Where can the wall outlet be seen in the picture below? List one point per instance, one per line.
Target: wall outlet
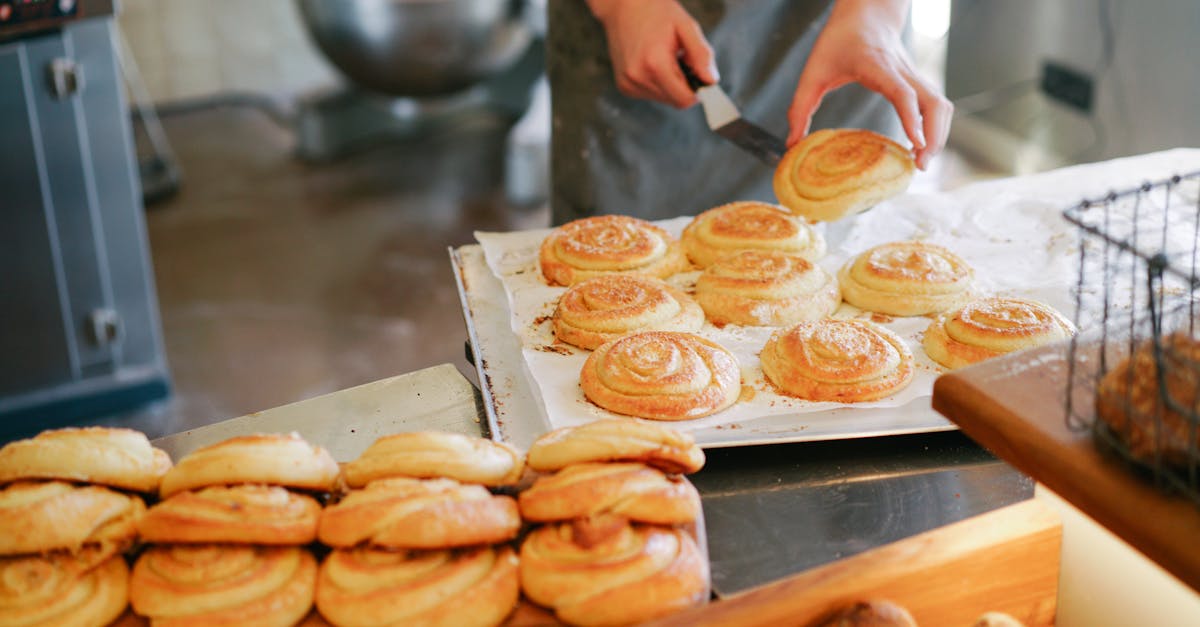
(1068, 86)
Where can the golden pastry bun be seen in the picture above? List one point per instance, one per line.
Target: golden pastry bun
(419, 514)
(991, 327)
(362, 587)
(834, 173)
(36, 517)
(121, 458)
(617, 440)
(607, 572)
(606, 307)
(996, 619)
(872, 613)
(589, 247)
(847, 361)
(907, 279)
(241, 514)
(630, 490)
(661, 375)
(267, 458)
(749, 225)
(766, 288)
(427, 454)
(90, 587)
(213, 584)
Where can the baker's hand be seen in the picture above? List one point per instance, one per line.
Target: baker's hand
(861, 43)
(646, 40)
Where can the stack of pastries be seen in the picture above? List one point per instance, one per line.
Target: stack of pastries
(69, 509)
(616, 540)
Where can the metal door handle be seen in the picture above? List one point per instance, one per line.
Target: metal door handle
(65, 77)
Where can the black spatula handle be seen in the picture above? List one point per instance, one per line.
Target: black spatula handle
(693, 81)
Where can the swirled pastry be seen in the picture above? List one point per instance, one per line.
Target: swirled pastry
(631, 490)
(214, 584)
(661, 375)
(748, 225)
(241, 514)
(36, 517)
(833, 173)
(847, 361)
(420, 514)
(426, 454)
(604, 571)
(268, 458)
(606, 307)
(766, 288)
(990, 327)
(121, 458)
(907, 279)
(617, 440)
(363, 587)
(60, 589)
(589, 247)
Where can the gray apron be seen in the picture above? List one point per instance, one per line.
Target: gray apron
(614, 154)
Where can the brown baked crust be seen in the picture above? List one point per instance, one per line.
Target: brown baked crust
(847, 361)
(749, 225)
(991, 327)
(429, 454)
(833, 173)
(243, 514)
(266, 458)
(871, 613)
(86, 588)
(476, 587)
(606, 307)
(419, 514)
(661, 375)
(609, 572)
(617, 440)
(907, 279)
(120, 458)
(631, 490)
(36, 517)
(766, 288)
(212, 584)
(589, 247)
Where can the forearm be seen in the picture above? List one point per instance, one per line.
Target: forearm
(889, 16)
(605, 9)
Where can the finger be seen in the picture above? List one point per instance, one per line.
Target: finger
(637, 81)
(937, 112)
(892, 86)
(810, 92)
(668, 78)
(697, 53)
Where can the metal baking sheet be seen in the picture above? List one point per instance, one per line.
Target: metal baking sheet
(516, 415)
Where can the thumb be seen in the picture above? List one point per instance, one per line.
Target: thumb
(697, 53)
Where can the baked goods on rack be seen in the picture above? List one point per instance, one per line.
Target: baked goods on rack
(766, 288)
(606, 307)
(589, 247)
(907, 278)
(120, 458)
(268, 458)
(617, 440)
(991, 327)
(749, 225)
(661, 375)
(833, 173)
(89, 587)
(243, 514)
(847, 361)
(37, 517)
(426, 454)
(630, 490)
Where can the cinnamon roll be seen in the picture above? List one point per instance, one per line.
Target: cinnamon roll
(85, 588)
(661, 375)
(268, 458)
(214, 584)
(606, 307)
(242, 514)
(605, 571)
(427, 454)
(36, 517)
(833, 173)
(120, 458)
(362, 587)
(749, 225)
(907, 279)
(598, 245)
(617, 440)
(766, 288)
(419, 514)
(633, 491)
(848, 361)
(990, 327)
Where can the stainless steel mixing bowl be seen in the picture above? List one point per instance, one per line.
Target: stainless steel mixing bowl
(418, 47)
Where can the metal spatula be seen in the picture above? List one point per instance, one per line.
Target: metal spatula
(725, 120)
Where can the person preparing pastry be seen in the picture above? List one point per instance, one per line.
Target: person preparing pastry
(619, 144)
